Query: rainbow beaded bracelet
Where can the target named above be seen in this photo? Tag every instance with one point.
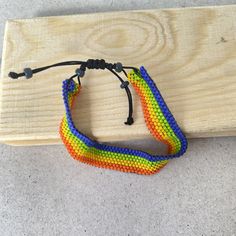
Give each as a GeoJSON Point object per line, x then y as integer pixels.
{"type": "Point", "coordinates": [158, 118]}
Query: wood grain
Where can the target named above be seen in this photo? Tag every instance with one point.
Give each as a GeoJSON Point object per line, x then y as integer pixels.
{"type": "Point", "coordinates": [190, 53]}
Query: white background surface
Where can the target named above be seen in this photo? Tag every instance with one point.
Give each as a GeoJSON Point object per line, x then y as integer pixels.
{"type": "Point", "coordinates": [45, 192]}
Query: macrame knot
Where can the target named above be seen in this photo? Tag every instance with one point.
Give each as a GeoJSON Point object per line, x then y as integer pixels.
{"type": "Point", "coordinates": [96, 64]}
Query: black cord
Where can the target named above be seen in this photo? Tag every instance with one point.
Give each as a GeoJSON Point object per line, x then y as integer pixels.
{"type": "Point", "coordinates": [89, 64]}
{"type": "Point", "coordinates": [112, 71]}
{"type": "Point", "coordinates": [65, 63]}
{"type": "Point", "coordinates": [124, 72]}
{"type": "Point", "coordinates": [130, 67]}
{"type": "Point", "coordinates": [124, 84]}
{"type": "Point", "coordinates": [15, 75]}
{"type": "Point", "coordinates": [73, 76]}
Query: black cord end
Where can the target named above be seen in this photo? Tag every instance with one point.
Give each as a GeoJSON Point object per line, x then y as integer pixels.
{"type": "Point", "coordinates": [129, 121]}
{"type": "Point", "coordinates": [13, 75]}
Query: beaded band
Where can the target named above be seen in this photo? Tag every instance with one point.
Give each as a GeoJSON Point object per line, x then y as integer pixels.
{"type": "Point", "coordinates": [158, 118]}
{"type": "Point", "coordinates": [159, 121]}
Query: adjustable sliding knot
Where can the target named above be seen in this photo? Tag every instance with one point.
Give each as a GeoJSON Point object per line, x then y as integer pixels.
{"type": "Point", "coordinates": [101, 64]}
{"type": "Point", "coordinates": [96, 64]}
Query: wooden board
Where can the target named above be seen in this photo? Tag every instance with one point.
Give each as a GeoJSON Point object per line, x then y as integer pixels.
{"type": "Point", "coordinates": [190, 53]}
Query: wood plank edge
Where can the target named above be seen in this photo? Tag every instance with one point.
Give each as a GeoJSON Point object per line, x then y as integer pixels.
{"type": "Point", "coordinates": [53, 141]}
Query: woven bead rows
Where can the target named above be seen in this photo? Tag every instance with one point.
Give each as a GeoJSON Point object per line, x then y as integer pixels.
{"type": "Point", "coordinates": [157, 116]}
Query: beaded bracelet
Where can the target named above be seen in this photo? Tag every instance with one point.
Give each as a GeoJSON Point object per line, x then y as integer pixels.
{"type": "Point", "coordinates": [158, 118]}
